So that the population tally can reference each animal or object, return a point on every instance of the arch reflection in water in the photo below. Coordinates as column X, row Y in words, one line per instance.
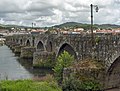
column 39, row 72
column 12, row 67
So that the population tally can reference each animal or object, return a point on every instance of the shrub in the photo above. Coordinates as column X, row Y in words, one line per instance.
column 73, row 84
column 64, row 60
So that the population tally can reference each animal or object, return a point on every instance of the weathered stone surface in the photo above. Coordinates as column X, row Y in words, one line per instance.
column 44, row 59
column 13, row 45
column 113, row 75
column 18, row 48
column 27, row 52
column 86, row 71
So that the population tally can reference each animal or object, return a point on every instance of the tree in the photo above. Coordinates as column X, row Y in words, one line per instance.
column 64, row 60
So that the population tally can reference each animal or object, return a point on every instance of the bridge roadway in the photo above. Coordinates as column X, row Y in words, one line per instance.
column 106, row 49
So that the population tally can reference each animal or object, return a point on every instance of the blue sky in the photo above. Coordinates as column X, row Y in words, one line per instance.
column 52, row 12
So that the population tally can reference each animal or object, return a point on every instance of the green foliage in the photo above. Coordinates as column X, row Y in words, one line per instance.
column 48, row 63
column 97, row 39
column 28, row 85
column 72, row 25
column 82, row 76
column 91, row 85
column 73, row 84
column 70, row 84
column 64, row 60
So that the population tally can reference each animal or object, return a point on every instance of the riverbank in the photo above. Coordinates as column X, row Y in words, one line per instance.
column 28, row 85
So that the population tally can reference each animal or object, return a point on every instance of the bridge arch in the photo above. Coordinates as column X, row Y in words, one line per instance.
column 21, row 41
column 40, row 46
column 67, row 47
column 17, row 41
column 113, row 74
column 28, row 43
column 113, row 65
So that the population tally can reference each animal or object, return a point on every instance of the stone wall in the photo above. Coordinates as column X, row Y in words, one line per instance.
column 27, row 52
column 44, row 59
column 89, row 70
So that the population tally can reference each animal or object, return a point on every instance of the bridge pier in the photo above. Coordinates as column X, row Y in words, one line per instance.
column 43, row 59
column 17, row 49
column 8, row 43
column 13, row 45
column 27, row 52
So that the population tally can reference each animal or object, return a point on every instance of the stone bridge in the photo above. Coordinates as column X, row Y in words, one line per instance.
column 106, row 48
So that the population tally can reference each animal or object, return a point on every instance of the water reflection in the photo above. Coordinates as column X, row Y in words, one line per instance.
column 12, row 67
column 27, row 64
column 1, row 44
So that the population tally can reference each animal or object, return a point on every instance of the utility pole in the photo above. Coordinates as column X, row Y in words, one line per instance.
column 32, row 25
column 92, row 34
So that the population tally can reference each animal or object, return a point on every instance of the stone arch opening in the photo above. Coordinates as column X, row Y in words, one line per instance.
column 40, row 46
column 113, row 74
column 114, row 65
column 33, row 41
column 68, row 48
column 17, row 41
column 28, row 43
column 13, row 40
column 21, row 42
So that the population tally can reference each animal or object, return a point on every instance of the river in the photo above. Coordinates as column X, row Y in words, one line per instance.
column 12, row 67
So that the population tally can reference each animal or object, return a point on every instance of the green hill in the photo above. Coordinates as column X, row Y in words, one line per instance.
column 67, row 25
column 86, row 26
column 74, row 25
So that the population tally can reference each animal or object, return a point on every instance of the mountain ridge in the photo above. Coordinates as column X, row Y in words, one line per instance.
column 68, row 25
column 86, row 26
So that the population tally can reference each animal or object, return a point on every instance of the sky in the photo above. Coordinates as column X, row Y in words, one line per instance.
column 53, row 12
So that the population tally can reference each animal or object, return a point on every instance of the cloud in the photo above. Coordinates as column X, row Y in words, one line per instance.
column 51, row 12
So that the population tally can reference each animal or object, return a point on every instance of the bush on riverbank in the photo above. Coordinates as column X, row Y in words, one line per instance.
column 63, row 61
column 28, row 85
column 78, row 76
column 73, row 84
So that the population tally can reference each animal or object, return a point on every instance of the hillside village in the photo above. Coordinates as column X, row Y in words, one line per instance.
column 66, row 28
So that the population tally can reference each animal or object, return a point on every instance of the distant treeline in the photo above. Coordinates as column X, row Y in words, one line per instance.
column 73, row 25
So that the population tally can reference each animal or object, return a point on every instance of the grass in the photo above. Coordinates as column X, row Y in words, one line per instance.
column 28, row 85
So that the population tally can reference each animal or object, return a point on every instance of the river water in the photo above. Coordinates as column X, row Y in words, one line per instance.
column 12, row 67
